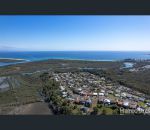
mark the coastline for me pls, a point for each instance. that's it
(20, 61)
(89, 56)
(14, 61)
(11, 59)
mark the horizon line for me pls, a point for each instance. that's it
(73, 50)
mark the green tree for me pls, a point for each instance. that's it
(107, 111)
(67, 110)
(95, 110)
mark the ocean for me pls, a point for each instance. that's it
(75, 55)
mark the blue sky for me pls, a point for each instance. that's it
(46, 33)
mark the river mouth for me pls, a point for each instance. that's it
(11, 61)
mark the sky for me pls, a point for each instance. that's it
(67, 33)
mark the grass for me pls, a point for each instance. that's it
(142, 104)
(111, 96)
(26, 92)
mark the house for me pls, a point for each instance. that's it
(123, 95)
(112, 101)
(106, 94)
(75, 91)
(70, 99)
(89, 94)
(117, 91)
(79, 89)
(119, 103)
(102, 78)
(141, 99)
(77, 100)
(117, 95)
(136, 98)
(101, 100)
(109, 87)
(128, 95)
(94, 94)
(101, 94)
(133, 105)
(102, 91)
(110, 92)
(140, 109)
(84, 86)
(125, 104)
(62, 88)
(107, 101)
(64, 93)
(82, 102)
(81, 93)
(148, 104)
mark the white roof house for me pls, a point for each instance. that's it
(123, 94)
(102, 78)
(126, 103)
(140, 109)
(64, 93)
(79, 89)
(117, 95)
(129, 95)
(102, 91)
(110, 92)
(106, 100)
(118, 91)
(94, 94)
(148, 104)
(101, 94)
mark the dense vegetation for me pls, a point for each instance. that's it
(56, 65)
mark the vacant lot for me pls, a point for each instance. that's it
(39, 108)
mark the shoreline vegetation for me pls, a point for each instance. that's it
(24, 84)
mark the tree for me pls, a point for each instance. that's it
(107, 111)
(116, 112)
(67, 110)
(99, 105)
(95, 110)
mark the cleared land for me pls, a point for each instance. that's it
(39, 108)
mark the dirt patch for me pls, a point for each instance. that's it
(39, 108)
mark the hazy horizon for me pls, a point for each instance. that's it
(75, 33)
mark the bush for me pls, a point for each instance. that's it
(99, 105)
(107, 111)
(67, 110)
(95, 110)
